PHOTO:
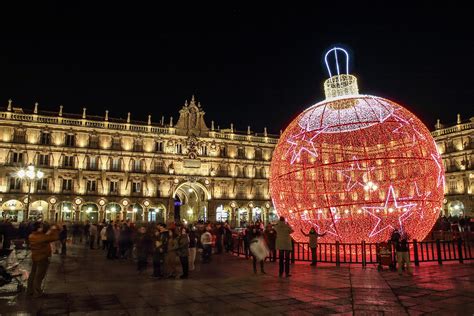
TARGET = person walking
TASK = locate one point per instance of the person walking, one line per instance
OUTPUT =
(247, 239)
(256, 248)
(143, 248)
(40, 254)
(284, 245)
(227, 237)
(100, 226)
(75, 233)
(403, 254)
(159, 251)
(125, 241)
(86, 234)
(270, 238)
(111, 249)
(192, 247)
(170, 258)
(183, 252)
(63, 240)
(219, 237)
(206, 242)
(103, 237)
(92, 235)
(313, 243)
(116, 247)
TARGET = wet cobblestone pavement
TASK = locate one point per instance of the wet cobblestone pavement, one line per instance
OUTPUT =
(85, 283)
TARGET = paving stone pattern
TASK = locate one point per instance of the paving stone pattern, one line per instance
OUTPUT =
(85, 283)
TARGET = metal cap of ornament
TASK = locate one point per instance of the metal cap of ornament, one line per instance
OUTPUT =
(340, 84)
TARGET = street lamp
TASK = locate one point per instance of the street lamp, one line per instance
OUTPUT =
(30, 174)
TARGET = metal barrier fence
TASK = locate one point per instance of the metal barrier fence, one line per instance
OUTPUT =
(368, 253)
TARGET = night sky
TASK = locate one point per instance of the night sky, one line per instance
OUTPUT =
(248, 65)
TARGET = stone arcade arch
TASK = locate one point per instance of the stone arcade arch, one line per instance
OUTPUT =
(191, 201)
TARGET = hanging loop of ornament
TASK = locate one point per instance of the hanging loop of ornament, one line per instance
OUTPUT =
(335, 50)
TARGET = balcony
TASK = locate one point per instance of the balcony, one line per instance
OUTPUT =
(68, 166)
(159, 170)
(18, 164)
(452, 169)
(223, 173)
(137, 169)
(449, 149)
(115, 168)
(19, 139)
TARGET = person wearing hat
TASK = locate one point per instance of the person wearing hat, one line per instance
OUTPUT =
(284, 245)
(40, 253)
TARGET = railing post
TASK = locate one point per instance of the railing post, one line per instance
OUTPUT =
(461, 260)
(415, 253)
(292, 251)
(338, 260)
(438, 251)
(364, 262)
(239, 245)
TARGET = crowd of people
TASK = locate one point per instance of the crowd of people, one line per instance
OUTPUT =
(166, 246)
(454, 224)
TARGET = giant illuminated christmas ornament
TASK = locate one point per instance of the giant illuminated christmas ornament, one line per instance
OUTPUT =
(356, 167)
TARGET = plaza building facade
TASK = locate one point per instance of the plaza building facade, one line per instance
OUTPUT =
(455, 143)
(98, 168)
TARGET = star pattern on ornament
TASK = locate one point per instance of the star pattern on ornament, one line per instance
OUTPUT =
(387, 222)
(323, 220)
(440, 177)
(358, 171)
(420, 196)
(412, 132)
(300, 143)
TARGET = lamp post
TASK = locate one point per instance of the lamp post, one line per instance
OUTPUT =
(30, 174)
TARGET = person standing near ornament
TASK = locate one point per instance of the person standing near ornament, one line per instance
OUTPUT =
(258, 248)
(403, 254)
(270, 238)
(284, 245)
(40, 254)
(313, 243)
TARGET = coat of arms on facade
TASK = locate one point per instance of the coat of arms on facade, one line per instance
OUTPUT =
(192, 147)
